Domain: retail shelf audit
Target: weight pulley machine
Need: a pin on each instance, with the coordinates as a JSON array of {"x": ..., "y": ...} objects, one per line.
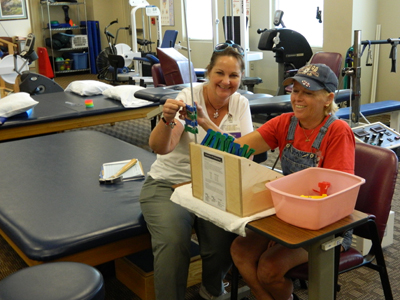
[
  {"x": 232, "y": 33},
  {"x": 150, "y": 11},
  {"x": 354, "y": 72},
  {"x": 376, "y": 133}
]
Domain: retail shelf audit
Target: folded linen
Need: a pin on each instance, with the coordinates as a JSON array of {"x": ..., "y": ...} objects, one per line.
[{"x": 183, "y": 196}]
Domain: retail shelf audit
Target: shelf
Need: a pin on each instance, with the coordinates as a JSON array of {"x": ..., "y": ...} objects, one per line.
[
  {"x": 64, "y": 28},
  {"x": 78, "y": 42},
  {"x": 70, "y": 49},
  {"x": 60, "y": 3},
  {"x": 72, "y": 71}
]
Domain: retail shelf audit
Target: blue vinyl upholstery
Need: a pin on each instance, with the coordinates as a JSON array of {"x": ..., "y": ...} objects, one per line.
[{"x": 52, "y": 203}]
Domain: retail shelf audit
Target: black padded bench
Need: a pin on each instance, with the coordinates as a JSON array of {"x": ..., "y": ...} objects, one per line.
[
  {"x": 267, "y": 104},
  {"x": 53, "y": 208}
]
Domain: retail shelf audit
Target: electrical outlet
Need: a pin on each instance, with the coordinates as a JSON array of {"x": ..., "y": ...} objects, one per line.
[{"x": 252, "y": 66}]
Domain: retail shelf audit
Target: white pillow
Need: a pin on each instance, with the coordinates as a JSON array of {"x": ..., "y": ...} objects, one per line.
[
  {"x": 15, "y": 104},
  {"x": 87, "y": 87},
  {"x": 125, "y": 93}
]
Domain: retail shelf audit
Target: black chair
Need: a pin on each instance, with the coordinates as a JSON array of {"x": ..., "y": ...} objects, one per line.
[
  {"x": 55, "y": 281},
  {"x": 116, "y": 62},
  {"x": 379, "y": 167}
]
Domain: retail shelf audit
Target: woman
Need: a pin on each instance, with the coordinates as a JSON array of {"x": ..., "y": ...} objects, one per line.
[
  {"x": 311, "y": 136},
  {"x": 170, "y": 225}
]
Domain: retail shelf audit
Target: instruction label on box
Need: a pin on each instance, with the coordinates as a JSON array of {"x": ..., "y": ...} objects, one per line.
[{"x": 214, "y": 179}]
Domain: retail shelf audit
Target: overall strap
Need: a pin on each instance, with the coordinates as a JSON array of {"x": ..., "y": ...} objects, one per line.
[
  {"x": 323, "y": 131},
  {"x": 292, "y": 128}
]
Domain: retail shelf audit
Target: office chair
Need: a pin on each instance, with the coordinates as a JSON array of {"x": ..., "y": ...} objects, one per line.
[
  {"x": 331, "y": 59},
  {"x": 374, "y": 198}
]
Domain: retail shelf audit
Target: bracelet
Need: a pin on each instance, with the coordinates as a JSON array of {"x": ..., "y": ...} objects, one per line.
[{"x": 169, "y": 124}]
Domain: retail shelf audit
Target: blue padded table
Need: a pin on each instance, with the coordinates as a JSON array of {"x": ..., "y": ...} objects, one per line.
[
  {"x": 53, "y": 208},
  {"x": 159, "y": 95},
  {"x": 259, "y": 103},
  {"x": 391, "y": 107},
  {"x": 61, "y": 111}
]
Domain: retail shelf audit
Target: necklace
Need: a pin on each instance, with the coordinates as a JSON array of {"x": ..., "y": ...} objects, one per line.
[
  {"x": 308, "y": 136},
  {"x": 216, "y": 114}
]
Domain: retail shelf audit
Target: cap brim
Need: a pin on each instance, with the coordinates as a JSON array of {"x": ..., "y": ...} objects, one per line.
[{"x": 305, "y": 82}]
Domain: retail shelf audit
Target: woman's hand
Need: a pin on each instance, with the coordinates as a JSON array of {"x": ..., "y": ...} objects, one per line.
[
  {"x": 171, "y": 107},
  {"x": 202, "y": 118}
]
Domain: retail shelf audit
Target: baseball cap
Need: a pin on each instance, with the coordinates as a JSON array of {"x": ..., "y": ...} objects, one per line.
[{"x": 315, "y": 77}]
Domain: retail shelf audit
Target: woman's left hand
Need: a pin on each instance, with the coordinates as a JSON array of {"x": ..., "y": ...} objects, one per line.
[{"x": 202, "y": 118}]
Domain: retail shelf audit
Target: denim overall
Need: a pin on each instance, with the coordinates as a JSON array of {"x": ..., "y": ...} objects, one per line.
[{"x": 293, "y": 160}]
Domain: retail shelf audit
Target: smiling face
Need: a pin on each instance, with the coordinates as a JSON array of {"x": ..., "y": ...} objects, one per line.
[
  {"x": 309, "y": 106},
  {"x": 224, "y": 78}
]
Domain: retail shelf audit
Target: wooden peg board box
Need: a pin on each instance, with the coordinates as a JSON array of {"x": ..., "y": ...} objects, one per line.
[{"x": 230, "y": 182}]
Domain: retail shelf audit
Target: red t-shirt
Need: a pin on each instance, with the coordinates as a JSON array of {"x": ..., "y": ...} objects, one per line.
[{"x": 337, "y": 148}]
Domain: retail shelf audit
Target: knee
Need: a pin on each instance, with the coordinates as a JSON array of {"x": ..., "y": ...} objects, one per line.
[
  {"x": 239, "y": 251},
  {"x": 268, "y": 272},
  {"x": 175, "y": 243}
]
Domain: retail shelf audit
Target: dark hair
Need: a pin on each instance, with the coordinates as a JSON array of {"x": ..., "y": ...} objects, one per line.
[{"x": 227, "y": 52}]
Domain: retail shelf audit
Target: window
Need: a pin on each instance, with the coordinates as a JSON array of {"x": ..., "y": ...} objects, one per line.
[
  {"x": 199, "y": 19},
  {"x": 300, "y": 16}
]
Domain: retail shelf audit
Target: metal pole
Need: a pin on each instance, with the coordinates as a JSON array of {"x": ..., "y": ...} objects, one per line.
[
  {"x": 226, "y": 21},
  {"x": 356, "y": 79},
  {"x": 190, "y": 60},
  {"x": 215, "y": 20},
  {"x": 232, "y": 22}
]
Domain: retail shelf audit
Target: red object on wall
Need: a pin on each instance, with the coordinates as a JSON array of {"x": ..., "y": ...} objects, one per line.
[{"x": 44, "y": 63}]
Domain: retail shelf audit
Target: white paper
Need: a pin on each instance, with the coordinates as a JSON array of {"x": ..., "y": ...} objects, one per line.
[
  {"x": 214, "y": 179},
  {"x": 111, "y": 168}
]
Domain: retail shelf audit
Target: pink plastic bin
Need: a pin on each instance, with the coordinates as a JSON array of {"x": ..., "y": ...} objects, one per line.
[{"x": 314, "y": 213}]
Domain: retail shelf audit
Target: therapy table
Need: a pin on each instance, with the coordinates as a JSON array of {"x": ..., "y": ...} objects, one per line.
[
  {"x": 259, "y": 103},
  {"x": 53, "y": 208},
  {"x": 61, "y": 111}
]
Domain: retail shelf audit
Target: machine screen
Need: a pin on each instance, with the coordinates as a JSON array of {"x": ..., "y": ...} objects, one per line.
[
  {"x": 360, "y": 132},
  {"x": 378, "y": 129}
]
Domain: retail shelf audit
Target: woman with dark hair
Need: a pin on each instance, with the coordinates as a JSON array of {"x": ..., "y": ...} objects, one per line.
[{"x": 219, "y": 107}]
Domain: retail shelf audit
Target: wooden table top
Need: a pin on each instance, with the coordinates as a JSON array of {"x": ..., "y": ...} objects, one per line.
[{"x": 293, "y": 237}]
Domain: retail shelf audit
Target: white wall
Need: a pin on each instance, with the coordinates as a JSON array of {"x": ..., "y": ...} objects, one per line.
[
  {"x": 12, "y": 28},
  {"x": 340, "y": 19},
  {"x": 388, "y": 83},
  {"x": 367, "y": 27}
]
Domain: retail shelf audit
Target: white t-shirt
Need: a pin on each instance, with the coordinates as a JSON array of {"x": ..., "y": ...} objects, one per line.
[{"x": 175, "y": 166}]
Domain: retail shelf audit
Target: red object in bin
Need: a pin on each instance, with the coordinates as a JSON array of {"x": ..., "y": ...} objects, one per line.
[
  {"x": 323, "y": 188},
  {"x": 44, "y": 63}
]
